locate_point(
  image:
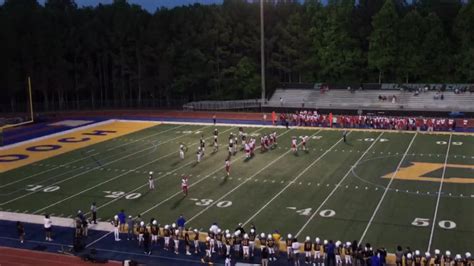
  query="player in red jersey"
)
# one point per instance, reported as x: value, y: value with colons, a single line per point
x: 184, y: 184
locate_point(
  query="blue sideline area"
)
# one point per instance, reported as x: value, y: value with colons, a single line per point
x: 107, y: 248
x: 39, y: 129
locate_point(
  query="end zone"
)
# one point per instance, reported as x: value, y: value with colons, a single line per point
x: 24, y: 153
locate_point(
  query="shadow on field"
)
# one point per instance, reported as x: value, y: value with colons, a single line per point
x: 178, y: 202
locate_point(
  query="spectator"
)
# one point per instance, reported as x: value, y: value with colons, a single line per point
x: 47, y: 227
x: 21, y: 231
x: 441, y: 97
x: 214, y: 119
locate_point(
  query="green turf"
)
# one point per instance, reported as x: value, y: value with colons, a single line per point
x: 333, y: 191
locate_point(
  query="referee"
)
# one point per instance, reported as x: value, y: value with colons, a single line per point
x: 344, y: 135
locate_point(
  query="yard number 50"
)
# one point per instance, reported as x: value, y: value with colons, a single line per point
x: 424, y: 222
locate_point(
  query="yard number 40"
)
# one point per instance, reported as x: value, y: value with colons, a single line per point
x: 424, y: 222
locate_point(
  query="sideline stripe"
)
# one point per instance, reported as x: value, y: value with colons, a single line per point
x: 202, y: 179
x: 109, y: 180
x: 439, y: 194
x: 83, y: 158
x: 156, y: 179
x: 294, y: 180
x: 97, y: 167
x: 337, y: 186
x: 386, y: 189
x: 245, y: 181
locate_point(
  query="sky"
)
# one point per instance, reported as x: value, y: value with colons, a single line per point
x: 149, y: 5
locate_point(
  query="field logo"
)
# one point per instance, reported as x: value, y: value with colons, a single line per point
x: 44, y: 148
x: 418, y: 171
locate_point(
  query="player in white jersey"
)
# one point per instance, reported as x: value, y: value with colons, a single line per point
x: 247, y: 150
x: 151, y: 181
x: 235, y: 144
x: 294, y: 144
x: 303, y: 142
x: 181, y: 151
x: 199, y: 154
x: 202, y: 144
x: 216, y: 144
x: 231, y: 145
x: 184, y: 184
x: 227, y: 166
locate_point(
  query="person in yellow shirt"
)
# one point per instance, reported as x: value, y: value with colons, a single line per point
x: 277, y: 237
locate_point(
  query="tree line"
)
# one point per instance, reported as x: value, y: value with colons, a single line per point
x: 119, y: 55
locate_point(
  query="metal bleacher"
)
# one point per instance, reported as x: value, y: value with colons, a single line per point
x: 369, y: 99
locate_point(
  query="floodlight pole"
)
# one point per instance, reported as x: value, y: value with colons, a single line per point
x: 262, y: 51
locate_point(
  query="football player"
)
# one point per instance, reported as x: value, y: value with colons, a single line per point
x: 288, y: 243
x: 181, y: 151
x: 337, y: 251
x: 271, y: 247
x: 247, y: 150
x: 252, y: 236
x: 196, y: 241
x: 219, y: 237
x: 228, y: 242
x: 151, y: 181
x: 303, y: 142
x: 199, y: 154
x: 447, y: 258
x: 207, y: 257
x: 468, y: 261
x: 348, y: 253
x: 437, y: 258
x: 227, y: 166
x: 294, y: 144
x: 167, y: 234
x: 237, y: 241
x: 308, y: 248
x: 409, y: 260
x: 154, y: 232
x: 116, y: 225
x: 216, y: 144
x: 176, y: 241
x: 231, y: 144
x: 427, y: 259
x: 317, y: 251
x: 184, y: 184
x: 202, y: 143
x: 141, y: 231
x: 417, y: 258
x: 245, y: 247
x: 187, y: 242
x: 263, y: 241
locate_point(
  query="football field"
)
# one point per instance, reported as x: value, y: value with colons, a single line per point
x: 382, y: 187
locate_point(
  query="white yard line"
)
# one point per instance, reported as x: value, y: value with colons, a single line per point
x: 83, y: 158
x: 386, y: 189
x: 293, y: 181
x: 197, y: 182
x: 433, y: 224
x: 97, y: 167
x: 337, y: 186
x: 244, y: 182
x: 109, y: 180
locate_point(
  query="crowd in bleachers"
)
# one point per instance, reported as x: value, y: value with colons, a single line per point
x: 315, y: 119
